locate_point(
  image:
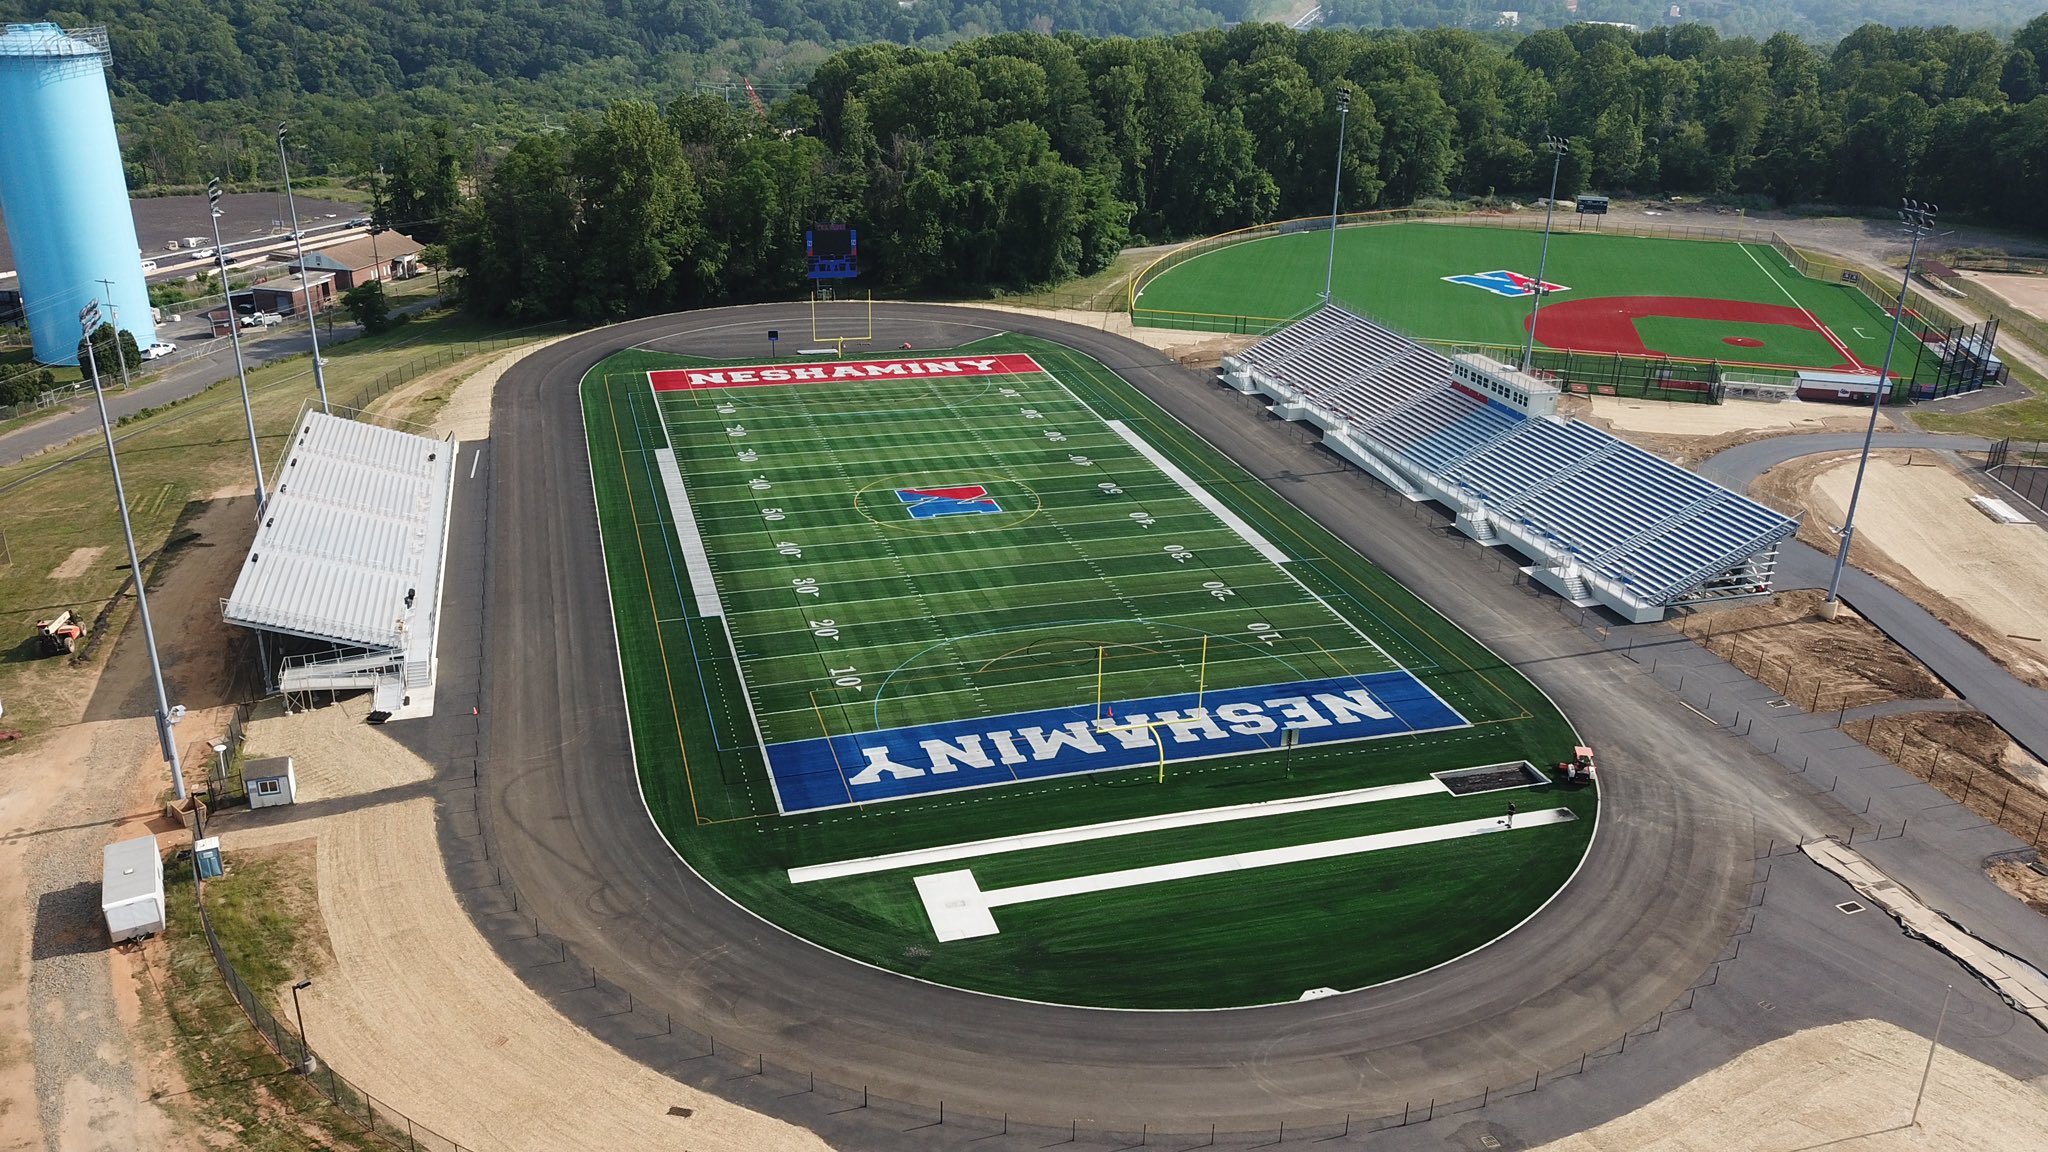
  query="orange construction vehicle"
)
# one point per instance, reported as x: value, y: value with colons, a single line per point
x: 57, y: 635
x: 1579, y: 767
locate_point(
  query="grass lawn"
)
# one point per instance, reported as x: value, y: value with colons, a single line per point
x: 172, y: 461
x: 1394, y: 273
x: 975, y: 616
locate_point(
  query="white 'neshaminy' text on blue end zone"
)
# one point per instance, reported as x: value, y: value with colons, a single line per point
x: 942, y: 757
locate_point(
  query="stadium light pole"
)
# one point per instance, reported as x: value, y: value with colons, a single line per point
x: 89, y: 319
x: 227, y: 294
x: 1557, y: 147
x: 1337, y: 186
x: 284, y: 166
x: 1918, y: 217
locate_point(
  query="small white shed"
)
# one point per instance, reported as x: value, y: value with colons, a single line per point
x: 132, y: 889
x: 270, y: 782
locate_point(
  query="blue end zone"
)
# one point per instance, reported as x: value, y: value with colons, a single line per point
x: 954, y: 754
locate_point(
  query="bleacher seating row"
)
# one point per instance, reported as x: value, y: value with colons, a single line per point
x: 1606, y: 506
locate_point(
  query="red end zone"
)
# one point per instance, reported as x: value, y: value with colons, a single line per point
x: 920, y: 368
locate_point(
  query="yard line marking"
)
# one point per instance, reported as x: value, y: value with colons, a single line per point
x: 1814, y: 320
x: 1082, y: 833
x: 696, y: 561
x: 959, y: 909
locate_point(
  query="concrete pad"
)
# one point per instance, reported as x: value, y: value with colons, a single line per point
x: 954, y: 902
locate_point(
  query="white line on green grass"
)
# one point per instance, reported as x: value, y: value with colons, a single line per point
x: 1824, y: 329
x: 696, y: 561
x: 1201, y: 495
x: 960, y: 910
x: 1080, y: 833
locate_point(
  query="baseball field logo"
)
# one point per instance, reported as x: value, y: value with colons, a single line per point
x: 961, y: 500
x: 1502, y: 282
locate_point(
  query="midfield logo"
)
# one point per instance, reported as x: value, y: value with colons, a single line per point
x: 925, y: 503
x: 1502, y: 282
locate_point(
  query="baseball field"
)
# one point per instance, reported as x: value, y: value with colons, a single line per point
x: 1464, y: 284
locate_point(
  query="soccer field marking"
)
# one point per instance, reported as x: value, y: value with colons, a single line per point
x: 1810, y: 317
x: 960, y: 910
x: 696, y: 562
x: 1082, y: 833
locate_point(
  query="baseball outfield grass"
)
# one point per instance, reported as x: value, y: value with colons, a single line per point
x: 1699, y: 299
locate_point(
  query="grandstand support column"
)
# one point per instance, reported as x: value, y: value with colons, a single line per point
x: 1918, y: 218
x: 1556, y: 146
x: 1337, y: 186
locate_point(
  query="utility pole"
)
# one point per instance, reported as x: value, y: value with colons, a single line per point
x: 284, y: 165
x: 1557, y: 147
x: 1337, y: 185
x: 235, y: 336
x: 1918, y: 219
x: 89, y: 319
x: 120, y: 357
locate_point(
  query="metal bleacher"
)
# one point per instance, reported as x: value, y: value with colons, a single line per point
x: 1606, y: 521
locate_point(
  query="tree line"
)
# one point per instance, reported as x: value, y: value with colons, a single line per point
x: 1022, y: 159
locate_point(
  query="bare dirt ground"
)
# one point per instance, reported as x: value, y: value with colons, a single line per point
x: 1970, y: 760
x: 1689, y: 433
x: 2022, y: 882
x: 1822, y: 665
x: 2029, y: 294
x: 1916, y: 530
x: 77, y: 564
x: 1919, y: 515
x: 1847, y: 1086
x: 417, y: 1010
x: 456, y: 400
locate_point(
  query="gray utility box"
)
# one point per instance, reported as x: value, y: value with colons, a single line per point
x: 132, y: 889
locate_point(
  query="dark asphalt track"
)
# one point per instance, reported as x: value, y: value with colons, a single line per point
x: 1668, y: 879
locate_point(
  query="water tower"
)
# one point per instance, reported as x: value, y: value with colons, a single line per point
x: 62, y: 187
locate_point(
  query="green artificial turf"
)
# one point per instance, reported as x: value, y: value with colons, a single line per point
x: 1393, y: 273
x: 1019, y: 605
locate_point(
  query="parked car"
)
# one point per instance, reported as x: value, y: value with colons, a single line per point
x: 159, y: 350
x: 171, y: 245
x: 149, y: 265
x: 358, y: 222
x: 266, y: 319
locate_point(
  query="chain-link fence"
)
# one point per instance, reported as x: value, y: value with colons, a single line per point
x: 2021, y: 466
x: 376, y: 1118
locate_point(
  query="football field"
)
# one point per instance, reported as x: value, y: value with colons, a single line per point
x: 974, y: 665
x: 1464, y: 284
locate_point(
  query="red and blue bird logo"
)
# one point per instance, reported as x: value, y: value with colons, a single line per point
x: 960, y: 500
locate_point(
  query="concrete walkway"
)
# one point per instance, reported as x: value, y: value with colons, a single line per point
x: 2019, y: 709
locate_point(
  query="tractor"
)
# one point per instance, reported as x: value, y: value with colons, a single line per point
x: 57, y: 635
x: 1579, y: 768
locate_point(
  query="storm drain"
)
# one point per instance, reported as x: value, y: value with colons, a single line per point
x: 1849, y: 908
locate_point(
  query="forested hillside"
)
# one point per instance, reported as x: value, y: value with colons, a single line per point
x: 1823, y: 21
x: 1023, y: 159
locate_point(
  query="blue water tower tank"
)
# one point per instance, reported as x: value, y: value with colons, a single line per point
x: 63, y: 190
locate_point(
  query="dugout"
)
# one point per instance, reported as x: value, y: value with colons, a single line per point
x: 1838, y: 387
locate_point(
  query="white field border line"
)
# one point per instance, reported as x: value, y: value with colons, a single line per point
x: 732, y: 645
x: 695, y: 560
x: 1251, y: 536
x: 1825, y: 330
x: 959, y: 909
x: 1081, y: 833
x: 1216, y: 507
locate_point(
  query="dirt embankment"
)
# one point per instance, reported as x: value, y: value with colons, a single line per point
x: 1916, y: 531
x: 1819, y: 664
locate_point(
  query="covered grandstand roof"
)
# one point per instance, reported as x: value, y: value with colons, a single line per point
x: 351, y: 543
x: 1593, y: 506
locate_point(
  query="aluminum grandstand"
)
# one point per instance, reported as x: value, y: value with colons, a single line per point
x: 1603, y: 521
x: 343, y: 582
